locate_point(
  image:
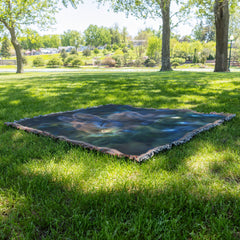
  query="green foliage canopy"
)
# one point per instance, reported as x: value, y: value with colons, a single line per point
x: 205, y: 7
x: 32, y: 40
x: 51, y: 41
x: 115, y: 35
x: 5, y: 49
x: 154, y: 48
x: 234, y: 25
x: 205, y: 33
x: 21, y: 13
x: 71, y: 38
x: 97, y: 36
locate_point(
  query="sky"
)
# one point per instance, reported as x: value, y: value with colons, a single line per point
x: 88, y: 13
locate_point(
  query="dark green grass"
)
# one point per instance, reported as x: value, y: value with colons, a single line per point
x: 52, y: 190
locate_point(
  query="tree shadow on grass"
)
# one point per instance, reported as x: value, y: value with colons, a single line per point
x: 68, y: 91
x: 43, y: 205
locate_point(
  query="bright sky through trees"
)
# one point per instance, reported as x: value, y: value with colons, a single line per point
x: 88, y: 13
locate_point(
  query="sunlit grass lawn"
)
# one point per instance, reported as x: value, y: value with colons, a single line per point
x: 52, y: 190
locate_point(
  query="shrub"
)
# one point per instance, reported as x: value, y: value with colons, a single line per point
x: 119, y: 60
x: 73, y: 61
x: 175, y: 64
x: 130, y: 63
x: 195, y: 56
x: 68, y: 60
x: 153, y: 49
x: 24, y: 60
x: 203, y: 59
x: 74, y: 51
x: 131, y: 46
x: 118, y: 52
x: 38, y: 62
x: 109, y: 48
x: 126, y: 59
x: 122, y: 45
x: 54, y: 62
x: 178, y: 60
x: 115, y: 46
x: 125, y: 50
x: 96, y: 50
x: 86, y: 52
x: 63, y: 54
x: 138, y: 62
x: 109, y: 61
x: 97, y: 62
x: 150, y: 62
x: 180, y: 54
x: 236, y: 54
x: 76, y: 62
x: 105, y: 52
x: 211, y: 57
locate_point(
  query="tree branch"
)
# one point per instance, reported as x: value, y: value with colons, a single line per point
x: 5, y: 23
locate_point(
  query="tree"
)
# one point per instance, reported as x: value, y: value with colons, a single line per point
x: 31, y: 41
x: 205, y: 32
x: 15, y: 15
x: 5, y: 49
x: 221, y: 10
x: 51, y: 41
x: 124, y: 35
x: 144, y: 35
x: 97, y: 36
x: 165, y: 9
x: 186, y: 38
x: 234, y: 25
x: 63, y: 54
x: 115, y: 35
x: 154, y: 48
x: 144, y: 9
x: 72, y: 38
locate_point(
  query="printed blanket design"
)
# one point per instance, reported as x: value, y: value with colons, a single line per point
x: 122, y: 130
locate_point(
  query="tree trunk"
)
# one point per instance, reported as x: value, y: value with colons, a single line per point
x: 221, y: 12
x: 165, y: 8
x: 17, y: 48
